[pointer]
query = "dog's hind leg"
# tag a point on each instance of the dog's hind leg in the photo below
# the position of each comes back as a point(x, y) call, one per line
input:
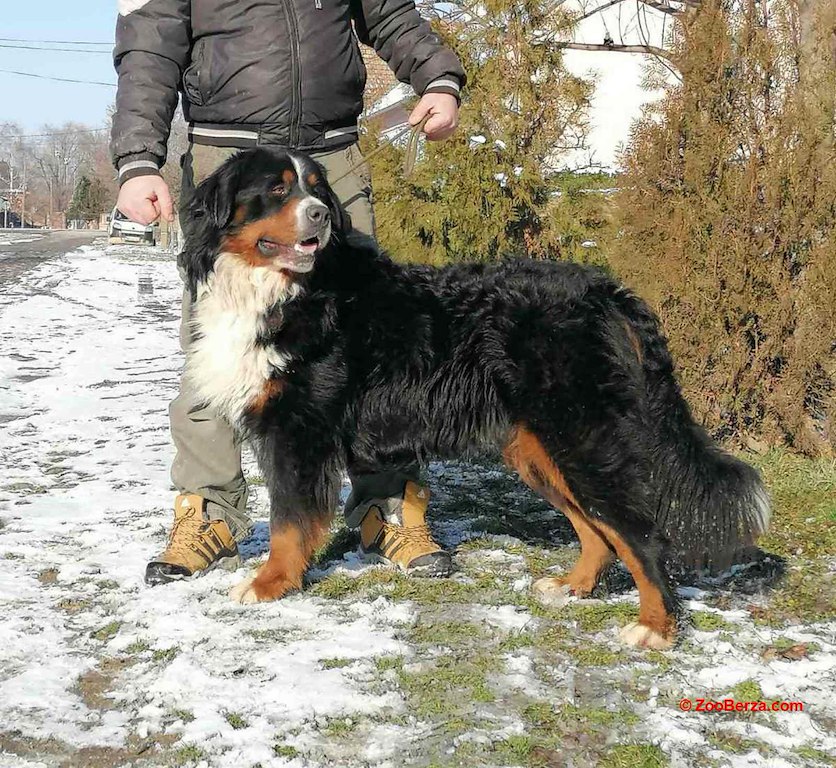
point(596, 555)
point(631, 536)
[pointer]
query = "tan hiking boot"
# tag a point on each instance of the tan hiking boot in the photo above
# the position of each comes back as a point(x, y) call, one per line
point(195, 545)
point(395, 532)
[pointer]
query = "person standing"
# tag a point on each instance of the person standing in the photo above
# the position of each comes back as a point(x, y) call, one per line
point(250, 73)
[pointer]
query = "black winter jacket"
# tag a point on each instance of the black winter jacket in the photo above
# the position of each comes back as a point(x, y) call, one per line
point(260, 71)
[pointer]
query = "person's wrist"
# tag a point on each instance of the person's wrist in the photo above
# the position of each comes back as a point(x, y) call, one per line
point(448, 84)
point(141, 164)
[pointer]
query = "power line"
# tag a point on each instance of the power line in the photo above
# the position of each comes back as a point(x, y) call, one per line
point(52, 133)
point(53, 42)
point(59, 79)
point(41, 48)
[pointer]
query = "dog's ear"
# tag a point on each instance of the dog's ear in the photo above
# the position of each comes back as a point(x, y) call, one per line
point(209, 211)
point(215, 195)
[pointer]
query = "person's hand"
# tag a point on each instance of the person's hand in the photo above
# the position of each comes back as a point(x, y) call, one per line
point(443, 110)
point(144, 199)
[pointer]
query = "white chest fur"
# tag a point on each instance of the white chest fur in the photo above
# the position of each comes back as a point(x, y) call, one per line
point(225, 364)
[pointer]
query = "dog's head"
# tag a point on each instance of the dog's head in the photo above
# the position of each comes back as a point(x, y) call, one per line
point(268, 207)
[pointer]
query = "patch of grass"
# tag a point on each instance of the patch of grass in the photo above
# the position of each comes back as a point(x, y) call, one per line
point(107, 584)
point(13, 556)
point(106, 632)
point(705, 621)
point(335, 663)
point(340, 727)
point(73, 605)
point(376, 582)
point(385, 663)
point(634, 756)
point(807, 594)
point(137, 646)
point(804, 496)
point(48, 576)
point(657, 657)
point(815, 755)
point(449, 633)
point(517, 640)
point(237, 722)
point(285, 750)
point(542, 715)
point(450, 683)
point(549, 729)
point(747, 690)
point(189, 754)
point(183, 714)
point(734, 743)
point(516, 749)
point(593, 617)
point(165, 655)
point(538, 561)
point(595, 655)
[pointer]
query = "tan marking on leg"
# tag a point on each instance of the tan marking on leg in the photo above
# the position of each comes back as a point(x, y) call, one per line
point(291, 548)
point(596, 556)
point(526, 454)
point(656, 627)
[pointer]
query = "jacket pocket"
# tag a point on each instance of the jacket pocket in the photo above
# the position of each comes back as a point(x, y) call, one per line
point(196, 76)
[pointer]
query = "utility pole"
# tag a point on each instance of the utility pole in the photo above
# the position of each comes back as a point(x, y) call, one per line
point(23, 196)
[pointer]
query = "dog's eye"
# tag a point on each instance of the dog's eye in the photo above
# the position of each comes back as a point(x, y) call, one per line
point(280, 190)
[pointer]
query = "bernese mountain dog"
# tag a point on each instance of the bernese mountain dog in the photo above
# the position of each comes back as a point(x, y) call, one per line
point(324, 353)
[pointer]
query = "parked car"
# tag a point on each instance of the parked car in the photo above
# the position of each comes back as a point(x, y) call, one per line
point(123, 230)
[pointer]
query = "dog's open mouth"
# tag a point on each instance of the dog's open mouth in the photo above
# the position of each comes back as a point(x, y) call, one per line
point(295, 258)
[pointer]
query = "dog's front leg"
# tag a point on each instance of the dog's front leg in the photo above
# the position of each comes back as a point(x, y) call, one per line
point(301, 508)
point(291, 545)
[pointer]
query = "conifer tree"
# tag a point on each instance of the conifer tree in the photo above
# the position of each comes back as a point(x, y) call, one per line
point(727, 219)
point(487, 192)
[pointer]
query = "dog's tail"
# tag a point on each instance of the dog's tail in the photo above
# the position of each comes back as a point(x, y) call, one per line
point(710, 505)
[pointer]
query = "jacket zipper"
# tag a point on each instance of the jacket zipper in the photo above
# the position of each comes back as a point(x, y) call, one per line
point(295, 67)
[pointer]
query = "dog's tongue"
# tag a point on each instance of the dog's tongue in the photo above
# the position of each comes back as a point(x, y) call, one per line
point(307, 247)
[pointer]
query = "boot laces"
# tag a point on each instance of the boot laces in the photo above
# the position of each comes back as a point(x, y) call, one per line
point(415, 534)
point(191, 524)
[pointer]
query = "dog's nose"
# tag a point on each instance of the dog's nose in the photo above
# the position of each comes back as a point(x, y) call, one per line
point(318, 213)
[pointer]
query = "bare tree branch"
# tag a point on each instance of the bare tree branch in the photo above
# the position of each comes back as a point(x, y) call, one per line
point(650, 50)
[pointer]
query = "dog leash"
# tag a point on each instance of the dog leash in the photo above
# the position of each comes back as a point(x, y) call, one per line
point(410, 159)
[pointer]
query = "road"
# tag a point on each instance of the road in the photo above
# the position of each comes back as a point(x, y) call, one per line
point(22, 249)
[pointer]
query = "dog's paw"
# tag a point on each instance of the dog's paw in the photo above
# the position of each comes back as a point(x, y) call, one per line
point(244, 592)
point(552, 592)
point(640, 636)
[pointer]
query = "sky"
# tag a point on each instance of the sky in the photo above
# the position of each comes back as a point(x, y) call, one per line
point(32, 102)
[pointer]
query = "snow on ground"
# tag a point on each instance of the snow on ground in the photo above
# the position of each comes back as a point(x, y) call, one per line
point(364, 667)
point(16, 236)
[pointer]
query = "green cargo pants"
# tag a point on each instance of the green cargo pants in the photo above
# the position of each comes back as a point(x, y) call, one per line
point(208, 458)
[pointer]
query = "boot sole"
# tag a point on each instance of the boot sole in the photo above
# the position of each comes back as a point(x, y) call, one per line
point(436, 571)
point(231, 563)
